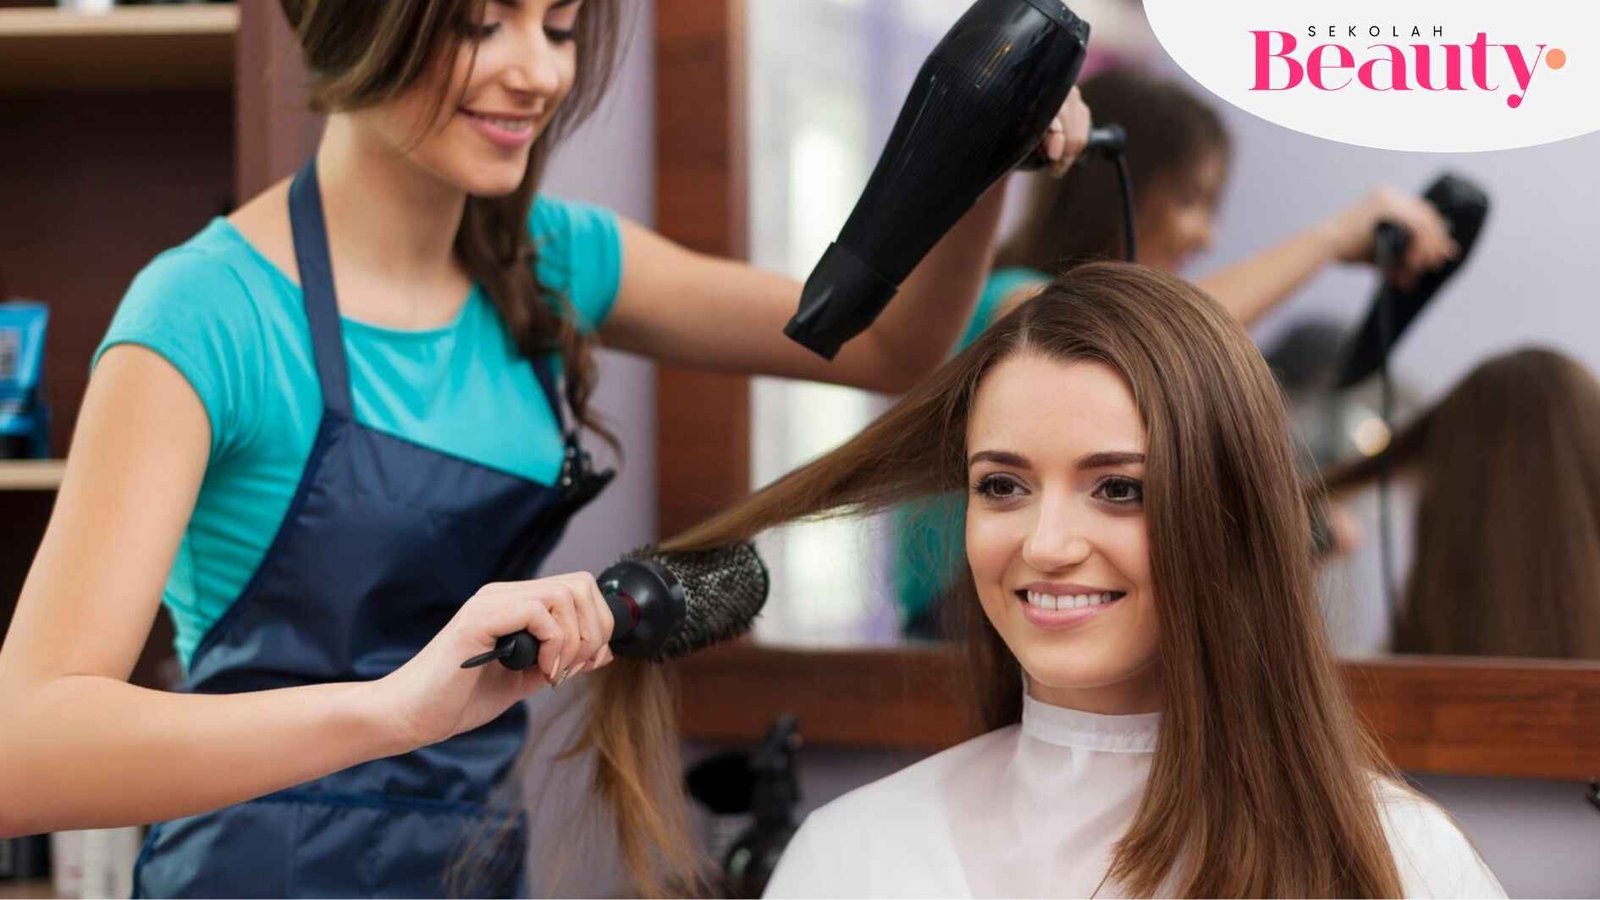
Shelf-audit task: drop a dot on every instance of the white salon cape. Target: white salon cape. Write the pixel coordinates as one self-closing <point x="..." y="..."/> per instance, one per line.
<point x="1035" y="810"/>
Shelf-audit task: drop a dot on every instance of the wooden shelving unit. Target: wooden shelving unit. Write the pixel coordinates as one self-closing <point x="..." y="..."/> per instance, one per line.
<point x="124" y="133"/>
<point x="31" y="474"/>
<point x="35" y="890"/>
<point x="1507" y="718"/>
<point x="145" y="47"/>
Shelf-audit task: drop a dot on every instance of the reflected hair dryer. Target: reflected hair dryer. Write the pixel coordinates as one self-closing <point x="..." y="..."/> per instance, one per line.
<point x="1465" y="206"/>
<point x="980" y="104"/>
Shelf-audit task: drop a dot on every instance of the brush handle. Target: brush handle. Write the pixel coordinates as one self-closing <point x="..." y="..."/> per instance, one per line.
<point x="521" y="650"/>
<point x="646" y="603"/>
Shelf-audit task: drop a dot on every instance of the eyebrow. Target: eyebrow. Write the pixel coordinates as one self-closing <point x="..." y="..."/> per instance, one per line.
<point x="1104" y="459"/>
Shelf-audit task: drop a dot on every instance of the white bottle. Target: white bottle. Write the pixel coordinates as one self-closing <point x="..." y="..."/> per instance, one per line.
<point x="86" y="6"/>
<point x="66" y="863"/>
<point x="96" y="863"/>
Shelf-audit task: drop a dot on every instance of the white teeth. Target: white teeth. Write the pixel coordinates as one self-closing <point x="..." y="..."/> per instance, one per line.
<point x="520" y="124"/>
<point x="1068" y="601"/>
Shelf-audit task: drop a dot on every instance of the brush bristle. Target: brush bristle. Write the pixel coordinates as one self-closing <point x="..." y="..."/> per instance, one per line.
<point x="724" y="589"/>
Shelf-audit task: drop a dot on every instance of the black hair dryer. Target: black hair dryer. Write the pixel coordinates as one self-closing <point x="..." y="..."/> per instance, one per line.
<point x="981" y="103"/>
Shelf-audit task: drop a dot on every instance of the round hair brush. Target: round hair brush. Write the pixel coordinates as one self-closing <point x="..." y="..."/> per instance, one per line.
<point x="665" y="605"/>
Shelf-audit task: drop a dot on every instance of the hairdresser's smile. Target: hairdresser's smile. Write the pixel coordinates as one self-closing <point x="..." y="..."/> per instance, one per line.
<point x="507" y="131"/>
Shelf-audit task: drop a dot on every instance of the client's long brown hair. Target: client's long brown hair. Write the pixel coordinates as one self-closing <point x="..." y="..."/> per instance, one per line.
<point x="1508" y="517"/>
<point x="1262" y="783"/>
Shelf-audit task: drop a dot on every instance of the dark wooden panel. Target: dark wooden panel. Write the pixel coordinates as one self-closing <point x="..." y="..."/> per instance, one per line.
<point x="95" y="185"/>
<point x="130" y="47"/>
<point x="1464" y="716"/>
<point x="703" y="420"/>
<point x="276" y="129"/>
<point x="1511" y="718"/>
<point x="903" y="699"/>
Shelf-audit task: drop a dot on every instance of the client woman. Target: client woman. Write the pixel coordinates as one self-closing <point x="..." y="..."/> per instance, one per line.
<point x="1164" y="716"/>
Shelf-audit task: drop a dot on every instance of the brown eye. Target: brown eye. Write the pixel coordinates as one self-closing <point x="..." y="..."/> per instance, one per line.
<point x="1122" y="491"/>
<point x="997" y="487"/>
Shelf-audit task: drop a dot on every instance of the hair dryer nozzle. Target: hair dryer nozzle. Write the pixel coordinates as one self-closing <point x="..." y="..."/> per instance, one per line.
<point x="840" y="300"/>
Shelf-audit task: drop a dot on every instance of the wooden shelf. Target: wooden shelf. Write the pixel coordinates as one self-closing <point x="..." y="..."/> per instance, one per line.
<point x="189" y="46"/>
<point x="39" y="888"/>
<point x="31" y="474"/>
<point x="1443" y="715"/>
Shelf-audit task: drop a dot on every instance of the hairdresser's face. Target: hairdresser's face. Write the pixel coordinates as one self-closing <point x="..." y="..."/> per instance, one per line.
<point x="516" y="65"/>
<point x="1056" y="531"/>
<point x="1176" y="219"/>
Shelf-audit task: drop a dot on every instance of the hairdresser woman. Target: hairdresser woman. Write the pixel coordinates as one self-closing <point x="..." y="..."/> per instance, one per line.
<point x="322" y="423"/>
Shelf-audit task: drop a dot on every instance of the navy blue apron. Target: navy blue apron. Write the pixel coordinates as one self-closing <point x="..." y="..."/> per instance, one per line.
<point x="383" y="542"/>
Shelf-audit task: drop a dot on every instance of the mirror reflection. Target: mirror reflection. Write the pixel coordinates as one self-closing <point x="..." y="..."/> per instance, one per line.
<point x="1459" y="518"/>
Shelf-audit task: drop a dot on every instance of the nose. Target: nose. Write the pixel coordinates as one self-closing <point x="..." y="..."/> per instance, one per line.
<point x="1058" y="539"/>
<point x="534" y="69"/>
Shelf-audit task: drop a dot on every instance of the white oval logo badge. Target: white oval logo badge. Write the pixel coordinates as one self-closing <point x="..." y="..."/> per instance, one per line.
<point x="1462" y="76"/>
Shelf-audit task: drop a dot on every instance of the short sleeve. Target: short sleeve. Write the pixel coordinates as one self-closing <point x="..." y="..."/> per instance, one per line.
<point x="193" y="310"/>
<point x="579" y="255"/>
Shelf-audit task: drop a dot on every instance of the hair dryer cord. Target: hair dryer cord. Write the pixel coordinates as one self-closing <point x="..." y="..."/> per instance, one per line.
<point x="1126" y="180"/>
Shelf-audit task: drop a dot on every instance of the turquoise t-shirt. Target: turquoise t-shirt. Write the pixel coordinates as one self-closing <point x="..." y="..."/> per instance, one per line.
<point x="234" y="325"/>
<point x="928" y="535"/>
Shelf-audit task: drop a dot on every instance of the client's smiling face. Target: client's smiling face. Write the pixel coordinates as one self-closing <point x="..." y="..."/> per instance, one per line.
<point x="1056" y="534"/>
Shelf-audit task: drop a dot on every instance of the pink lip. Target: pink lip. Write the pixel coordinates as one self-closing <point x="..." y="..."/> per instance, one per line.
<point x="1057" y="619"/>
<point x="500" y="137"/>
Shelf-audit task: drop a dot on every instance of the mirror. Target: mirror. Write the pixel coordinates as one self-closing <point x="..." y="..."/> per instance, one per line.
<point x="815" y="122"/>
<point x="1505" y="744"/>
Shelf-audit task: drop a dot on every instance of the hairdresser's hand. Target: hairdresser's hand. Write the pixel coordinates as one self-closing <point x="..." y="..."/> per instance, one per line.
<point x="432" y="698"/>
<point x="1431" y="245"/>
<point x="1068" y="134"/>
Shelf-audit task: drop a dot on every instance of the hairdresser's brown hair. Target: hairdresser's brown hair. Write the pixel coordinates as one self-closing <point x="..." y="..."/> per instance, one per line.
<point x="1263" y="782"/>
<point x="1508" y="515"/>
<point x="1078" y="218"/>
<point x="362" y="54"/>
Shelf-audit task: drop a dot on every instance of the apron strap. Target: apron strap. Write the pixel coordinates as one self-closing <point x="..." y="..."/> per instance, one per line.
<point x="544" y="368"/>
<point x="316" y="284"/>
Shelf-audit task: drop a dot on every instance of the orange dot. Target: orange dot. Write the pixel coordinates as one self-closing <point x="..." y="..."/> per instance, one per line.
<point x="1556" y="58"/>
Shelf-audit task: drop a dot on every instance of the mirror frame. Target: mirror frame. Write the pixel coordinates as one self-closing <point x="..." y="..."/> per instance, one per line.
<point x="1445" y="715"/>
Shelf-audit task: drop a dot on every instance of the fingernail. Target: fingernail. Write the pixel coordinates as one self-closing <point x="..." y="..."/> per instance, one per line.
<point x="565" y="674"/>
